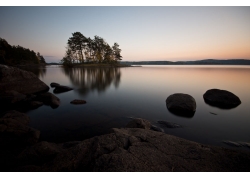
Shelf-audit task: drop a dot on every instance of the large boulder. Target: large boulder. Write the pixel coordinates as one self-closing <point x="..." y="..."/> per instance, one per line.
<point x="22" y="81"/>
<point x="181" y="104"/>
<point x="221" y="98"/>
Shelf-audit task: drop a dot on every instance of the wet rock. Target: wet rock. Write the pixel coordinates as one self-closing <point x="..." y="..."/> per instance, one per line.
<point x="49" y="99"/>
<point x="139" y="123"/>
<point x="181" y="104"/>
<point x="21" y="81"/>
<point x="170" y="124"/>
<point x="60" y="89"/>
<point x="212" y="113"/>
<point x="54" y="84"/>
<point x="78" y="101"/>
<point x="246" y="144"/>
<point x="231" y="143"/>
<point x="221" y="98"/>
<point x="155" y="128"/>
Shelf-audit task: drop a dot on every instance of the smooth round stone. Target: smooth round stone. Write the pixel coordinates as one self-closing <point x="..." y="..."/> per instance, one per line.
<point x="78" y="101"/>
<point x="221" y="98"/>
<point x="181" y="104"/>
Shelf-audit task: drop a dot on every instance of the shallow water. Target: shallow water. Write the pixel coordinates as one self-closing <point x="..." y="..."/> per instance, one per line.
<point x="114" y="94"/>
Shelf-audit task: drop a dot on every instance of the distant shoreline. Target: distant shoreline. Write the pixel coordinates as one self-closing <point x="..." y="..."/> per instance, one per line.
<point x="198" y="62"/>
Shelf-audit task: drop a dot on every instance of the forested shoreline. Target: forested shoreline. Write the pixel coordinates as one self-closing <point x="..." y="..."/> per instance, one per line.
<point x="81" y="49"/>
<point x="18" y="55"/>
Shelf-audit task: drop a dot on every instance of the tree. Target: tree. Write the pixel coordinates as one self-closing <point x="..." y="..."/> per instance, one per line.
<point x="116" y="52"/>
<point x="77" y="44"/>
<point x="79" y="48"/>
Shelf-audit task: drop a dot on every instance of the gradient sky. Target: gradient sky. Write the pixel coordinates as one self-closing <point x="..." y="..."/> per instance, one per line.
<point x="143" y="33"/>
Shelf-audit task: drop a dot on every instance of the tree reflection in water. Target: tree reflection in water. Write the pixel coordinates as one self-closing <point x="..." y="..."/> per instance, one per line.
<point x="90" y="79"/>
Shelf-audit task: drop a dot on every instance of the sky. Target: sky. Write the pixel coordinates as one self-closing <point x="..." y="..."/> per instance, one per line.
<point x="144" y="33"/>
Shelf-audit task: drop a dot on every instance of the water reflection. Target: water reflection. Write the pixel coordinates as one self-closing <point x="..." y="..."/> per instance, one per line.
<point x="89" y="79"/>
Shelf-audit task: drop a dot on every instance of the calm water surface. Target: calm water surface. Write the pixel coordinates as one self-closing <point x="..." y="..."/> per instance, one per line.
<point x="114" y="94"/>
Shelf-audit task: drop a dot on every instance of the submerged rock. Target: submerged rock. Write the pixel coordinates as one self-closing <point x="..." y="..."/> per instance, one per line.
<point x="170" y="124"/>
<point x="221" y="98"/>
<point x="231" y="143"/>
<point x="181" y="104"/>
<point x="21" y="81"/>
<point x="78" y="101"/>
<point x="155" y="128"/>
<point x="60" y="89"/>
<point x="246" y="144"/>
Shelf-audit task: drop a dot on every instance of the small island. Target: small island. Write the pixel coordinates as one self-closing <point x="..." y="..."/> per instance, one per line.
<point x="86" y="52"/>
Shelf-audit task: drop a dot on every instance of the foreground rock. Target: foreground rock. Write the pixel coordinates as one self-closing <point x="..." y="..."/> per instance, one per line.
<point x="14" y="129"/>
<point x="181" y="104"/>
<point x="49" y="99"/>
<point x="78" y="101"/>
<point x="221" y="98"/>
<point x="131" y="149"/>
<point x="11" y="99"/>
<point x="60" y="89"/>
<point x="21" y="81"/>
<point x="139" y="123"/>
<point x="143" y="124"/>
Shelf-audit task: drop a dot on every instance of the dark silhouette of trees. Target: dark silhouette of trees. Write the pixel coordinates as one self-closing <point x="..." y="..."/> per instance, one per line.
<point x="86" y="50"/>
<point x="16" y="55"/>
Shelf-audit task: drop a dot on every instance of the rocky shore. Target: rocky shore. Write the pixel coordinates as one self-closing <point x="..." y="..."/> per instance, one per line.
<point x="137" y="147"/>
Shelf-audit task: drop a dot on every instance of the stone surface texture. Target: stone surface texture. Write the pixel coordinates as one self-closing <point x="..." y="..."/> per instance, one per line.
<point x="22" y="81"/>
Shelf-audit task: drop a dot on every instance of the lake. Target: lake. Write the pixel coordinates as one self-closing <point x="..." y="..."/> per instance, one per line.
<point x="114" y="94"/>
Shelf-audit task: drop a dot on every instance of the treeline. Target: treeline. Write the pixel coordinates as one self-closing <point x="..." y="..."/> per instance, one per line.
<point x="198" y="62"/>
<point x="81" y="49"/>
<point x="18" y="55"/>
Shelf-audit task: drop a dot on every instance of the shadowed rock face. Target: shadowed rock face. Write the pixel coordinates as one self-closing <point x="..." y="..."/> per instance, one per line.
<point x="181" y="104"/>
<point x="14" y="129"/>
<point x="131" y="149"/>
<point x="221" y="98"/>
<point x="127" y="149"/>
<point x="49" y="99"/>
<point x="22" y="81"/>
